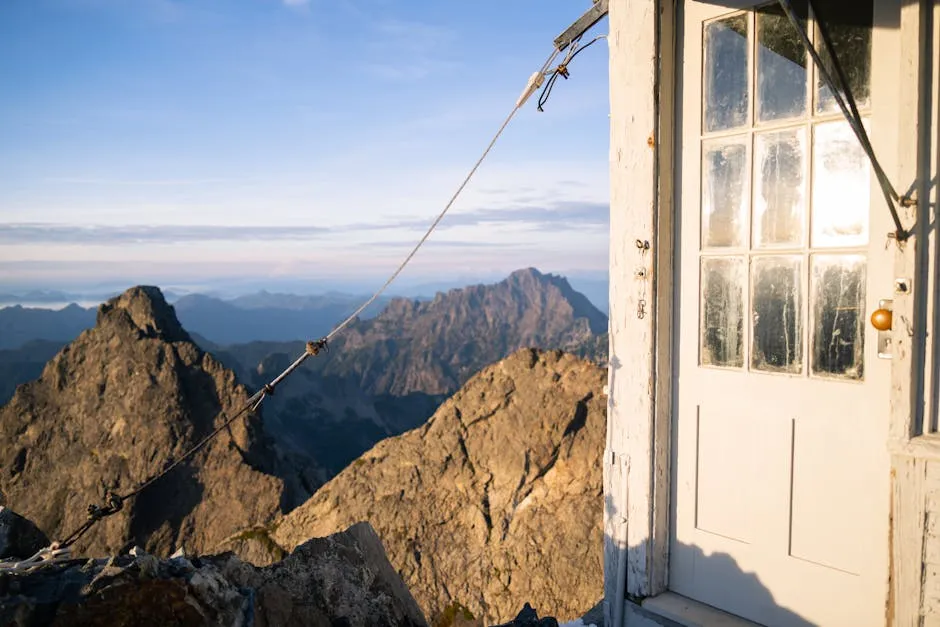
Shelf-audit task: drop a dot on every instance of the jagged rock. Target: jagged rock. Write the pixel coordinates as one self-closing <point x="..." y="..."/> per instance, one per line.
<point x="496" y="501"/>
<point x="434" y="347"/>
<point x="528" y="617"/>
<point x="110" y="410"/>
<point x="19" y="537"/>
<point x="344" y="579"/>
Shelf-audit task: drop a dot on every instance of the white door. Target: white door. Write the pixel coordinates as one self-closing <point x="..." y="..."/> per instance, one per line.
<point x="781" y="472"/>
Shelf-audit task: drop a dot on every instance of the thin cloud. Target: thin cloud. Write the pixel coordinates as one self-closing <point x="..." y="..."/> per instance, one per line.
<point x="37" y="233"/>
<point x="137" y="182"/>
<point x="574" y="216"/>
<point x="567" y="214"/>
<point x="407" y="50"/>
<point x="450" y="244"/>
<point x="414" y="36"/>
<point x="399" y="73"/>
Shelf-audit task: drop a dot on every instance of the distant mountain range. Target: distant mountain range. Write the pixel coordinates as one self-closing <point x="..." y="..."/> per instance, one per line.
<point x="262" y="316"/>
<point x="59" y="316"/>
<point x="268" y="317"/>
<point x="19" y="325"/>
<point x="382" y="376"/>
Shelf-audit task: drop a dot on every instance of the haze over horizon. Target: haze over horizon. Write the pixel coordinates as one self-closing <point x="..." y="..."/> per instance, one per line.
<point x="271" y="144"/>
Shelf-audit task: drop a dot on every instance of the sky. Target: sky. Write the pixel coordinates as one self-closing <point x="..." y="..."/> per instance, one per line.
<point x="305" y="142"/>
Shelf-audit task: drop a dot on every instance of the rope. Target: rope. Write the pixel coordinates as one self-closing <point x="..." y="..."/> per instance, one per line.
<point x="44" y="557"/>
<point x="843" y="97"/>
<point x="115" y="502"/>
<point x="440" y="217"/>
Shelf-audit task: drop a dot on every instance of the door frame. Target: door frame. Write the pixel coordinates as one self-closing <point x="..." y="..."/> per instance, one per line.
<point x="646" y="135"/>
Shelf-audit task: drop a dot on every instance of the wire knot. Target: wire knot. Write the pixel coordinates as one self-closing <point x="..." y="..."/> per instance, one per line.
<point x="268" y="389"/>
<point x="115" y="503"/>
<point x="315" y="347"/>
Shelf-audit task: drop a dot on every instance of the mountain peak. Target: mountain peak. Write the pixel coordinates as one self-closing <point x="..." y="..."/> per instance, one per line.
<point x="110" y="409"/>
<point x="145" y="309"/>
<point x="526" y="273"/>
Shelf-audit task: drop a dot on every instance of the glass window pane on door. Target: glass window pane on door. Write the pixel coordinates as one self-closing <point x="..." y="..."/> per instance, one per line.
<point x="777" y="314"/>
<point x="849" y="27"/>
<point x="785" y="194"/>
<point x="840" y="187"/>
<point x="724" y="192"/>
<point x="722" y="312"/>
<point x="779" y="188"/>
<point x="726" y="73"/>
<point x="781" y="66"/>
<point x="838" y="305"/>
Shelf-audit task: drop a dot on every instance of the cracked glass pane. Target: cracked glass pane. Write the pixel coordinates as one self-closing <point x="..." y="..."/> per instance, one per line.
<point x="724" y="192"/>
<point x="779" y="190"/>
<point x="838" y="305"/>
<point x="840" y="187"/>
<point x="722" y="333"/>
<point x="781" y="65"/>
<point x="777" y="314"/>
<point x="726" y="73"/>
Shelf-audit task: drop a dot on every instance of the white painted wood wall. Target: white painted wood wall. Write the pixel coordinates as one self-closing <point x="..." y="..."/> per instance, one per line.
<point x="636" y="461"/>
<point x="915" y="561"/>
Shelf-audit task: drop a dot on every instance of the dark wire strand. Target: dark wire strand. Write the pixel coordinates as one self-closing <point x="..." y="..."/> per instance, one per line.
<point x="562" y="69"/>
<point x="115" y="502"/>
<point x="842" y="94"/>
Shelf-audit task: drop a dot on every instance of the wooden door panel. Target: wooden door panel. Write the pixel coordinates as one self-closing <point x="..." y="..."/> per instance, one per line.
<point x="780" y="473"/>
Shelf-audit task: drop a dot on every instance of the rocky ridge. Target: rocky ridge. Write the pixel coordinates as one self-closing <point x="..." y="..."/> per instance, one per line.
<point x="495" y="501"/>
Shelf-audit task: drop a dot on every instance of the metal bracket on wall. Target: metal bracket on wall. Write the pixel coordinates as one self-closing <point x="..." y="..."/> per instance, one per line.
<point x="591" y="17"/>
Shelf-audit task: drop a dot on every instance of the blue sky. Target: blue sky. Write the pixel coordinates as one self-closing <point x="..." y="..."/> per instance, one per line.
<point x="199" y="141"/>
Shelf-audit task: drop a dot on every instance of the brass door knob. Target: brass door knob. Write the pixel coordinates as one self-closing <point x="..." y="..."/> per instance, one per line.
<point x="881" y="319"/>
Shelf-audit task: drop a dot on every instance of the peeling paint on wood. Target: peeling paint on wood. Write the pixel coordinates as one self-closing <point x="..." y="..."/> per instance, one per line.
<point x="915" y="507"/>
<point x="640" y="304"/>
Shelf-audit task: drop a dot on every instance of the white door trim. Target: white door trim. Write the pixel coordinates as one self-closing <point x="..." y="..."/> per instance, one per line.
<point x="637" y="460"/>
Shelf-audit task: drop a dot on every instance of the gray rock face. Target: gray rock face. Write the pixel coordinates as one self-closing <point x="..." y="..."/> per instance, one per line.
<point x="109" y="411"/>
<point x="434" y="347"/>
<point x="344" y="579"/>
<point x="19" y="537"/>
<point x="496" y="501"/>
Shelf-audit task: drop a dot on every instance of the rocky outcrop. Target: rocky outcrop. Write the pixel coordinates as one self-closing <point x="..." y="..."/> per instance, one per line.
<point x="110" y="411"/>
<point x="494" y="502"/>
<point x="344" y="579"/>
